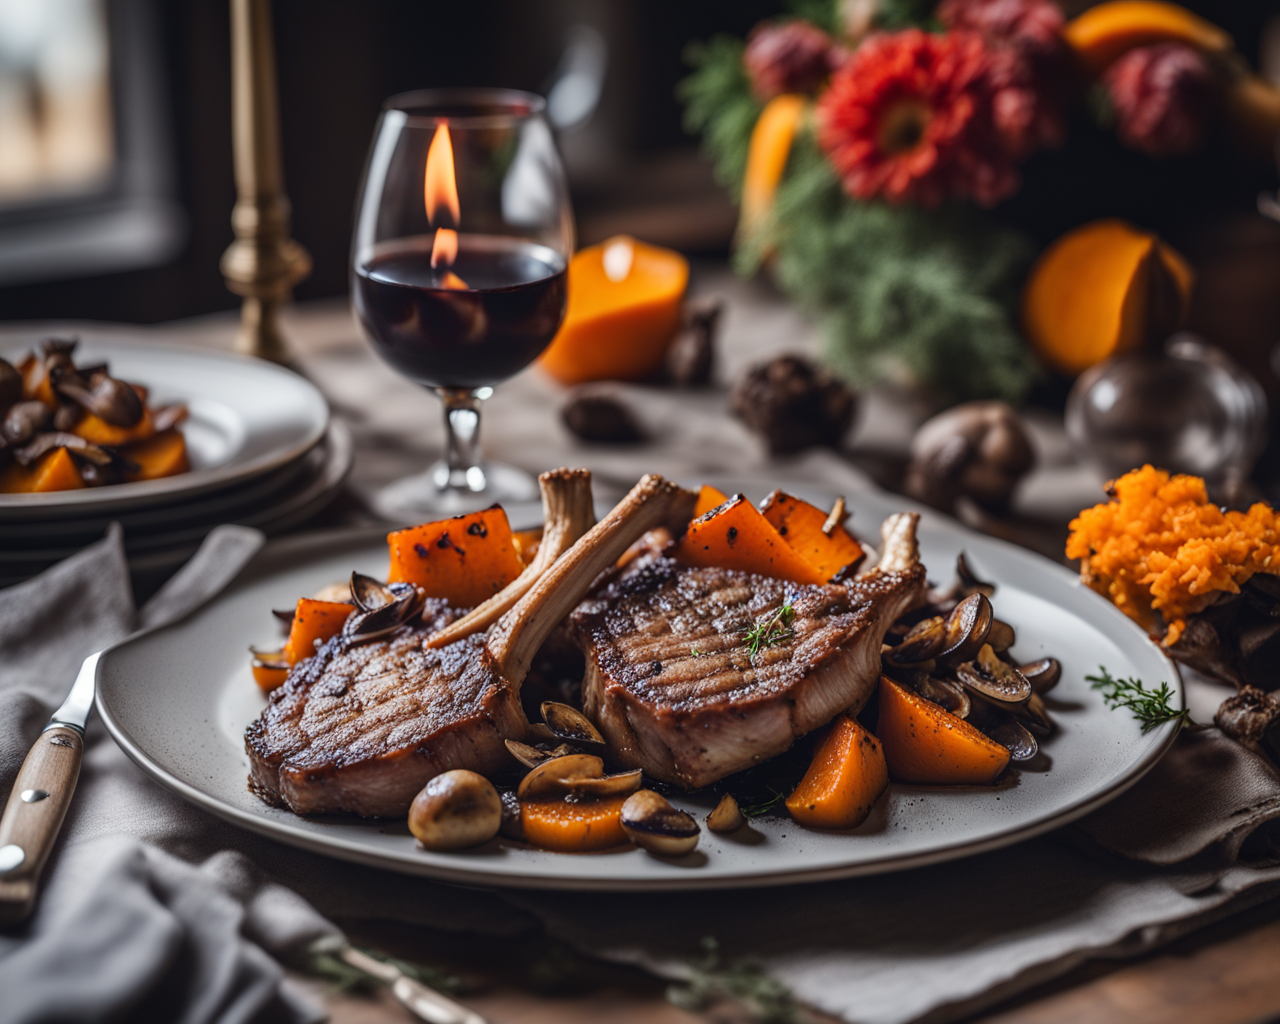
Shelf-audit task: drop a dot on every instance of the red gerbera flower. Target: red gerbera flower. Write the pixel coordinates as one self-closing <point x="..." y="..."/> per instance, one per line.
<point x="909" y="117"/>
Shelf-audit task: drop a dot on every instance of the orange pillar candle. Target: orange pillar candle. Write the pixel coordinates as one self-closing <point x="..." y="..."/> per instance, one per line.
<point x="624" y="311"/>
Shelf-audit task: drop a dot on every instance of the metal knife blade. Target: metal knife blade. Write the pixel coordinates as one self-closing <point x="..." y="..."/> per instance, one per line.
<point x="78" y="706"/>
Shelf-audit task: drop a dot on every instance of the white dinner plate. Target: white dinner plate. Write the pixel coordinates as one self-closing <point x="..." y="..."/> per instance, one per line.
<point x="178" y="702"/>
<point x="247" y="417"/>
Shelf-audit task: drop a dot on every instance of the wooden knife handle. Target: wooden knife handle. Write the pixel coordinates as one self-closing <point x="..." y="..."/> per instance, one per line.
<point x="33" y="816"/>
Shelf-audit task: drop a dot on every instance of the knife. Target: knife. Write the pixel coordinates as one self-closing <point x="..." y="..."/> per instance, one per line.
<point x="47" y="779"/>
<point x="423" y="1002"/>
<point x="41" y="795"/>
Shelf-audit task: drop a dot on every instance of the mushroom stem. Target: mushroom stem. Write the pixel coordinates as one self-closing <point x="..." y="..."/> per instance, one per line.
<point x="836" y="518"/>
<point x="568" y="513"/>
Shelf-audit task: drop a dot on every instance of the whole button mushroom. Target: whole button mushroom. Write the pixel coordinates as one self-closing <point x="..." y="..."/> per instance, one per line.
<point x="654" y="825"/>
<point x="979" y="450"/>
<point x="456" y="810"/>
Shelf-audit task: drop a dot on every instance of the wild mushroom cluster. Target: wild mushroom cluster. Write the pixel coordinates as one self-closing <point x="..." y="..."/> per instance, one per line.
<point x="957" y="654"/>
<point x="49" y="404"/>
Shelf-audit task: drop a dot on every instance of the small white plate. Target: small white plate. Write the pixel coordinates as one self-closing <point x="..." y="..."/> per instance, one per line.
<point x="178" y="702"/>
<point x="247" y="417"/>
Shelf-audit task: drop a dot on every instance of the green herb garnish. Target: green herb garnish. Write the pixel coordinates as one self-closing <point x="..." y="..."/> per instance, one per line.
<point x="694" y="652"/>
<point x="772" y="630"/>
<point x="765" y="999"/>
<point x="755" y="810"/>
<point x="1150" y="707"/>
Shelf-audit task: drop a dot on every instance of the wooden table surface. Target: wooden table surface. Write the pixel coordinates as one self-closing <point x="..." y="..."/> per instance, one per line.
<point x="1227" y="973"/>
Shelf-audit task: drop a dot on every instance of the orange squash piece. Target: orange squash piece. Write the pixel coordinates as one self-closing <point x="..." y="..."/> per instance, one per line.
<point x="800" y="525"/>
<point x="268" y="677"/>
<point x="466" y="559"/>
<point x="767" y="156"/>
<point x="164" y="454"/>
<point x="1103" y="289"/>
<point x="618" y="329"/>
<point x="923" y="743"/>
<point x="574" y="827"/>
<point x="98" y="431"/>
<point x="35" y="382"/>
<point x="56" y="471"/>
<point x="845" y="779"/>
<point x="737" y="536"/>
<point x="313" y="620"/>
<point x="708" y="498"/>
<point x="1109" y="30"/>
<point x="526" y="544"/>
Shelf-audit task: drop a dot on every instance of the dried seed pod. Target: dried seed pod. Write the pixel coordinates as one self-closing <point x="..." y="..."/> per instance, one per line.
<point x="654" y="825"/>
<point x="726" y="817"/>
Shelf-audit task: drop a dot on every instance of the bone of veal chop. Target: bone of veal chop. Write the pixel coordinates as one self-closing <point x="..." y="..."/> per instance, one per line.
<point x="362" y="727"/>
<point x="672" y="682"/>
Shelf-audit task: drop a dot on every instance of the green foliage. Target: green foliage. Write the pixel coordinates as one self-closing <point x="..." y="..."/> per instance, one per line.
<point x="823" y="13"/>
<point x="923" y="297"/>
<point x="892" y="15"/>
<point x="765" y="999"/>
<point x="1150" y="707"/>
<point x="324" y="961"/>
<point x="719" y="105"/>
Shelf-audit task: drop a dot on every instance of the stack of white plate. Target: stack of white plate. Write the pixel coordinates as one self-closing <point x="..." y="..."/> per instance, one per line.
<point x="263" y="450"/>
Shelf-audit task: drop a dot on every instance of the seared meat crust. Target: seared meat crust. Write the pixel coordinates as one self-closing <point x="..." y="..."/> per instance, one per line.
<point x="674" y="688"/>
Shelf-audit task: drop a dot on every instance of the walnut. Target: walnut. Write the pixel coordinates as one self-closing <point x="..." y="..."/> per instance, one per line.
<point x="1252" y="718"/>
<point x="979" y="449"/>
<point x="794" y="404"/>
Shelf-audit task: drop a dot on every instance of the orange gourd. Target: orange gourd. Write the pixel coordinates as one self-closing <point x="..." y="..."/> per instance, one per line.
<point x="845" y="779"/>
<point x="1109" y="30"/>
<point x="313" y="621"/>
<point x="267" y="675"/>
<point x="925" y="744"/>
<point x="574" y="826"/>
<point x="526" y="544"/>
<point x="800" y="525"/>
<point x="737" y="536"/>
<point x="465" y="560"/>
<point x="767" y="154"/>
<point x="618" y="329"/>
<point x="96" y="430"/>
<point x="1103" y="289"/>
<point x="164" y="454"/>
<point x="55" y="471"/>
<point x="708" y="498"/>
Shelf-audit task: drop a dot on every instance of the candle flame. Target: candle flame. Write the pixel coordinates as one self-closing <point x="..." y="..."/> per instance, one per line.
<point x="441" y="184"/>
<point x="618" y="256"/>
<point x="444" y="250"/>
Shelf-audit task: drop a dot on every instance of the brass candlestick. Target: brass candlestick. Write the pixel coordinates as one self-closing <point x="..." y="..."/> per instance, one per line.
<point x="263" y="263"/>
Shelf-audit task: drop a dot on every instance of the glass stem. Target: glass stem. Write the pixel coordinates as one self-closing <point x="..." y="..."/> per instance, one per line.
<point x="461" y="470"/>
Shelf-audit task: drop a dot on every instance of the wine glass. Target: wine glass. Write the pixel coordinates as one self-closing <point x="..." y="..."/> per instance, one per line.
<point x="459" y="269"/>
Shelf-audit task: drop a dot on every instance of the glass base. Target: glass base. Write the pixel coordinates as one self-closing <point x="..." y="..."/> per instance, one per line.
<point x="420" y="498"/>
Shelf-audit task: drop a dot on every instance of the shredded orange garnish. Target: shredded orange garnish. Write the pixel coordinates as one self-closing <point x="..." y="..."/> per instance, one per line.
<point x="1160" y="547"/>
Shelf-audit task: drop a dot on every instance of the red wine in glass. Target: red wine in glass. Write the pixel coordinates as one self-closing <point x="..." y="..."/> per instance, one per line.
<point x="455" y="337"/>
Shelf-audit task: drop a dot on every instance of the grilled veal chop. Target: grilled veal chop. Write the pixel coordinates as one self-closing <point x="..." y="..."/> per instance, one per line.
<point x="673" y="683"/>
<point x="363" y="726"/>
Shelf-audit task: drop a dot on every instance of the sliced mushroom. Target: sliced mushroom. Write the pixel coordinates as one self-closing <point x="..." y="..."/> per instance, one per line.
<point x="923" y="642"/>
<point x="654" y="825"/>
<point x="106" y="397"/>
<point x="1043" y="674"/>
<point x="338" y="593"/>
<point x="969" y="583"/>
<point x="946" y="693"/>
<point x="10" y="385"/>
<point x="67" y="416"/>
<point x="570" y="724"/>
<point x="528" y="756"/>
<point x="284" y="615"/>
<point x="269" y="659"/>
<point x="456" y="810"/>
<point x="54" y="439"/>
<point x="967" y="627"/>
<point x="50" y="347"/>
<point x="726" y="817"/>
<point x="1035" y="714"/>
<point x="993" y="678"/>
<point x="169" y="416"/>
<point x="621" y="784"/>
<point x="1001" y="637"/>
<point x="369" y="594"/>
<point x="1014" y="737"/>
<point x="363" y="626"/>
<point x="24" y="420"/>
<point x="556" y="776"/>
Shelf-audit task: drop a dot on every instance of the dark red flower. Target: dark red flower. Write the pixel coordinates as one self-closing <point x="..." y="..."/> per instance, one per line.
<point x="789" y="56"/>
<point x="1162" y="96"/>
<point x="910" y="117"/>
<point x="1033" y="26"/>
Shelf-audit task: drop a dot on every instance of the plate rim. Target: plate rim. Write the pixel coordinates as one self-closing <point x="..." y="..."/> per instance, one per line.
<point x="352" y="850"/>
<point x="67" y="503"/>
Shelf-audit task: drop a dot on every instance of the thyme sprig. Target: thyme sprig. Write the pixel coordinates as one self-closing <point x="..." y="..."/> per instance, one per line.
<point x="765" y="999"/>
<point x="773" y="630"/>
<point x="1150" y="707"/>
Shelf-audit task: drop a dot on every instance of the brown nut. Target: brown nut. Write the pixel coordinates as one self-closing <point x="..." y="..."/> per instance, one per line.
<point x="654" y="825"/>
<point x="456" y="810"/>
